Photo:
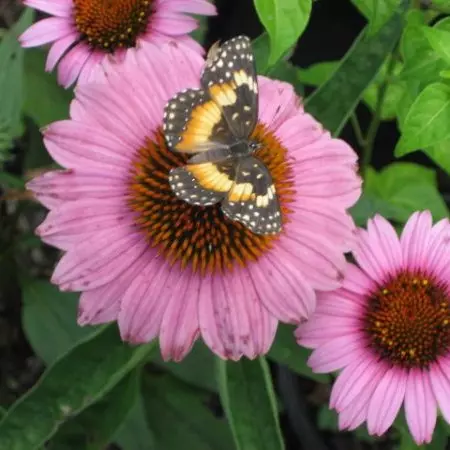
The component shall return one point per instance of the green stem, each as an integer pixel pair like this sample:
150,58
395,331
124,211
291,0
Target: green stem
368,142
357,130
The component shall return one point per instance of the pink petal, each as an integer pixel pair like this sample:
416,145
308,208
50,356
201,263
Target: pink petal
440,384
102,304
321,262
282,288
74,222
45,31
438,255
414,240
76,145
336,354
353,380
72,64
386,401
352,416
277,102
358,282
173,24
180,324
189,6
382,236
58,49
420,407
233,321
60,8
371,258
98,260
142,307
326,220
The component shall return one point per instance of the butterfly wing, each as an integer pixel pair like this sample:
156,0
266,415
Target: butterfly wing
202,184
194,123
230,79
252,199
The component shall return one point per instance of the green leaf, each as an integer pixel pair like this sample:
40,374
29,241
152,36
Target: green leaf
283,70
285,21
45,100
442,6
249,401
421,62
440,154
368,205
319,73
95,426
426,123
49,319
439,40
335,100
377,12
197,368
135,433
77,380
407,187
11,81
285,351
171,404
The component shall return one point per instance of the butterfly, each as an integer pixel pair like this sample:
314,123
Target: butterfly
213,124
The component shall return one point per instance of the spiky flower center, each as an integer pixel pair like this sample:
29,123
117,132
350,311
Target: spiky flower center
196,236
111,24
408,321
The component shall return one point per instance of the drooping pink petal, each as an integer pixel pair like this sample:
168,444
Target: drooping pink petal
386,401
420,406
232,328
352,381
440,383
141,310
180,324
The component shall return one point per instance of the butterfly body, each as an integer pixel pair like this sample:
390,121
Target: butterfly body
213,125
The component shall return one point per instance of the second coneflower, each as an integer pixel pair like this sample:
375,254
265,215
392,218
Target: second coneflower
388,329
165,268
84,32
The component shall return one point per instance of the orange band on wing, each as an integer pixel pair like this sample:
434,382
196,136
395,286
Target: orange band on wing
200,126
210,177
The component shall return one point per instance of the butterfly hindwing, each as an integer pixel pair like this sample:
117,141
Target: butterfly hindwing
252,199
230,78
194,123
202,184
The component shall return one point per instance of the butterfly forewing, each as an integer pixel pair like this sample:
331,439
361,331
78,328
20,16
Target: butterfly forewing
252,199
230,78
194,123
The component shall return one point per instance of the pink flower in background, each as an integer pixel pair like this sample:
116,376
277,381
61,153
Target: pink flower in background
164,268
83,33
388,329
